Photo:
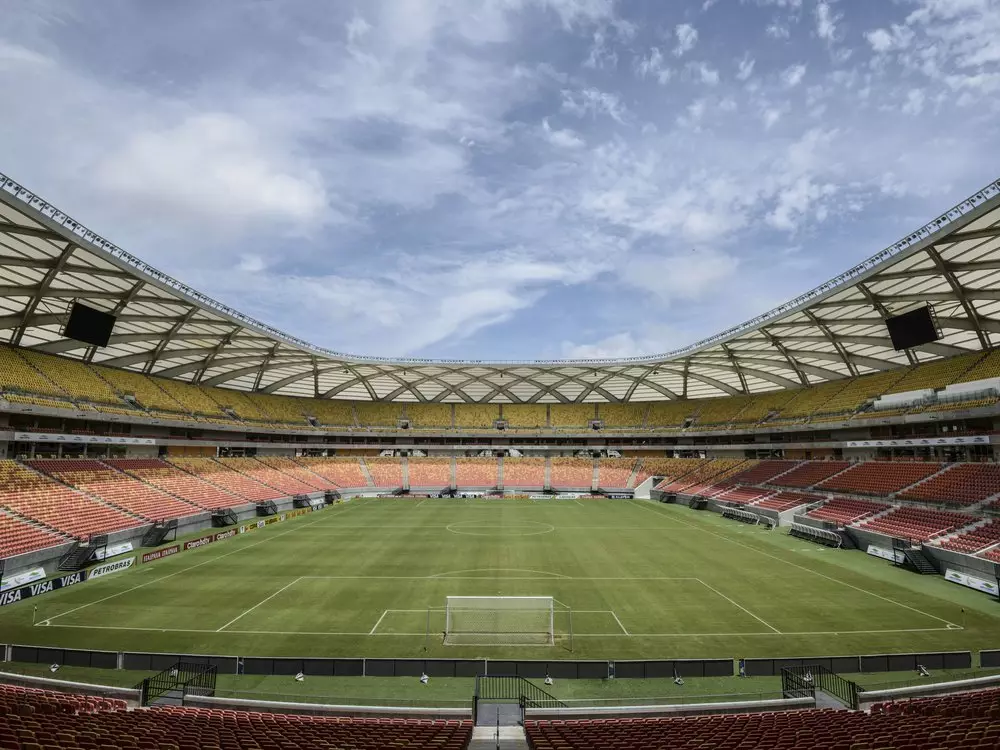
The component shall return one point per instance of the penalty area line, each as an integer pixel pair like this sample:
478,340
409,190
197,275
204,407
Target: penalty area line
262,601
613,614
377,623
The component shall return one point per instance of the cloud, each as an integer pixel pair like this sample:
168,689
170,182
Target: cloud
212,166
591,102
704,73
826,22
654,65
687,37
745,69
564,138
792,75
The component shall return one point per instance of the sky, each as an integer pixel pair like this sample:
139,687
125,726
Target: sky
501,179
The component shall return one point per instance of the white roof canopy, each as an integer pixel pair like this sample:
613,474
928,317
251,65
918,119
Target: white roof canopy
164,328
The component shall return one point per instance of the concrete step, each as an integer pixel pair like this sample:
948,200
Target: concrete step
510,738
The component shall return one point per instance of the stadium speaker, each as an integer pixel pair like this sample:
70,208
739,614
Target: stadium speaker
89,325
912,328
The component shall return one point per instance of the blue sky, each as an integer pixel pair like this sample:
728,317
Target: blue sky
502,178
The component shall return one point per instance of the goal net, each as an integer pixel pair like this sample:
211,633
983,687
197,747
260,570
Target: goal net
499,621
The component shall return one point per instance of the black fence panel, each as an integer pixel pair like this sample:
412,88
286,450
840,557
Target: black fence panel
70,657
989,658
380,667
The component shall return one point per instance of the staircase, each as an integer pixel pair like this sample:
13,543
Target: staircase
368,475
76,558
918,561
635,473
504,738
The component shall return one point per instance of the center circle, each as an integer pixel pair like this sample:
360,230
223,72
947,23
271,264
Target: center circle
482,528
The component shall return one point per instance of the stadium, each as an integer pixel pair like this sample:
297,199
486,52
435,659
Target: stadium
187,489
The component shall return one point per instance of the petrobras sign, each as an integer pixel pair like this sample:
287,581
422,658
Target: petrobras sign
920,442
12,582
52,437
108,568
885,554
964,579
113,550
161,553
13,596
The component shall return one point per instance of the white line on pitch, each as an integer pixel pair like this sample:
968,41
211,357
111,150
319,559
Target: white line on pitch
740,606
421,503
801,567
192,567
575,635
379,622
262,601
619,622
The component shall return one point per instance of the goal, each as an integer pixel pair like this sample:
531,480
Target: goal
499,621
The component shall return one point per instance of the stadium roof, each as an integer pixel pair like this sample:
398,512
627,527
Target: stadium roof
48,260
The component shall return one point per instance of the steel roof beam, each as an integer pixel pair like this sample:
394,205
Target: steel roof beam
856,359
41,291
119,306
833,339
225,341
39,232
784,353
959,290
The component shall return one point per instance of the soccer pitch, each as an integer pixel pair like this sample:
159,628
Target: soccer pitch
370,578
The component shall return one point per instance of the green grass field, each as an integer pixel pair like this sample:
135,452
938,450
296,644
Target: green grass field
643,581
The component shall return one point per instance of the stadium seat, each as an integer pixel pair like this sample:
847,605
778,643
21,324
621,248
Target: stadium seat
566,416
298,473
116,488
430,472
476,472
961,484
524,472
226,476
31,719
386,472
880,478
843,510
343,471
966,720
177,482
622,416
18,536
572,473
429,416
809,473
40,498
974,540
616,472
783,501
531,417
916,524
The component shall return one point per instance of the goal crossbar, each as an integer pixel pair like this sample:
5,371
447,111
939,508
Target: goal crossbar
499,620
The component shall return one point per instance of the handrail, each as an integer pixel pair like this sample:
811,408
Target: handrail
514,688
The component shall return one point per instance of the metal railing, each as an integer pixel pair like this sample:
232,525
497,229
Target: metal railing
177,681
803,682
512,689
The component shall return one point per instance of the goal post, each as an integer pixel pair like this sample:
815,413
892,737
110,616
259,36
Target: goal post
499,621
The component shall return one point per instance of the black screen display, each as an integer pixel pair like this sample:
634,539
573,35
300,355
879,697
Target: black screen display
912,328
89,325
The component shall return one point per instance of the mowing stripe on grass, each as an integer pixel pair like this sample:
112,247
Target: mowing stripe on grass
263,601
650,508
185,570
740,606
